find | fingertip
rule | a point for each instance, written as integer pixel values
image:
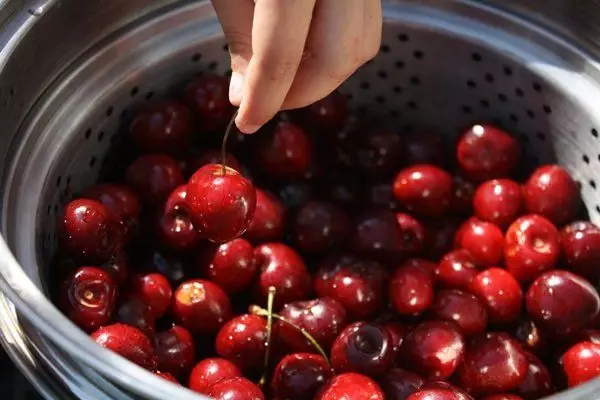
(236, 88)
(244, 126)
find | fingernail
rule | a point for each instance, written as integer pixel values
(248, 129)
(236, 87)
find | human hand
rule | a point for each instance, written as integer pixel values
(287, 54)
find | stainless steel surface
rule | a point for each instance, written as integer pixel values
(70, 70)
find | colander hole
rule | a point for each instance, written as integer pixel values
(594, 132)
(385, 48)
(58, 181)
(380, 99)
(513, 118)
(48, 210)
(585, 159)
(476, 57)
(489, 78)
(466, 109)
(196, 57)
(382, 74)
(213, 65)
(403, 37)
(530, 114)
(519, 92)
(537, 87)
(397, 89)
(93, 161)
(362, 109)
(109, 111)
(598, 209)
(502, 97)
(593, 184)
(484, 103)
(547, 109)
(400, 64)
(471, 84)
(415, 80)
(412, 105)
(149, 95)
(68, 180)
(55, 209)
(541, 136)
(508, 71)
(88, 133)
(113, 139)
(365, 85)
(418, 54)
(100, 136)
(134, 91)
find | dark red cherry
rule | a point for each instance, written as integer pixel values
(201, 306)
(299, 376)
(132, 311)
(229, 265)
(87, 297)
(562, 302)
(581, 363)
(117, 268)
(153, 177)
(397, 332)
(424, 189)
(208, 97)
(242, 341)
(411, 289)
(175, 350)
(532, 338)
(445, 389)
(169, 377)
(268, 221)
(456, 270)
(465, 309)
(501, 294)
(485, 152)
(221, 202)
(379, 153)
(176, 232)
(377, 235)
(235, 388)
(398, 383)
(552, 193)
(532, 246)
(319, 226)
(462, 196)
(439, 237)
(155, 290)
(381, 195)
(424, 147)
(581, 248)
(176, 204)
(128, 342)
(498, 201)
(413, 234)
(483, 240)
(192, 162)
(328, 115)
(538, 382)
(350, 386)
(210, 371)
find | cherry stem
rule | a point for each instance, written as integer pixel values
(270, 300)
(224, 144)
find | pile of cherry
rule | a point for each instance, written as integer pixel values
(333, 260)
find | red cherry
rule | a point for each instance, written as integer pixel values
(398, 383)
(208, 97)
(456, 270)
(424, 147)
(269, 219)
(411, 290)
(201, 306)
(581, 363)
(498, 201)
(446, 389)
(221, 203)
(438, 394)
(175, 350)
(319, 226)
(413, 234)
(532, 246)
(328, 115)
(424, 189)
(350, 386)
(235, 388)
(117, 268)
(377, 235)
(153, 177)
(192, 162)
(176, 232)
(229, 265)
(501, 294)
(581, 248)
(465, 309)
(379, 153)
(486, 152)
(167, 376)
(299, 376)
(134, 312)
(532, 338)
(538, 382)
(128, 342)
(176, 203)
(483, 240)
(397, 332)
(210, 371)
(242, 341)
(155, 290)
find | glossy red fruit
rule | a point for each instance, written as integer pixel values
(581, 363)
(532, 338)
(485, 152)
(176, 232)
(456, 270)
(169, 377)
(193, 161)
(208, 97)
(447, 389)
(501, 294)
(328, 115)
(229, 265)
(483, 240)
(235, 388)
(379, 153)
(493, 363)
(357, 284)
(499, 201)
(319, 226)
(176, 204)
(210, 371)
(89, 231)
(424, 189)
(411, 289)
(413, 234)
(377, 235)
(581, 248)
(398, 383)
(132, 311)
(538, 382)
(463, 308)
(117, 268)
(532, 246)
(221, 202)
(424, 147)
(153, 177)
(155, 290)
(462, 196)
(299, 376)
(268, 221)
(350, 386)
(87, 297)
(242, 341)
(562, 302)
(200, 306)
(175, 350)
(397, 332)
(438, 394)
(128, 342)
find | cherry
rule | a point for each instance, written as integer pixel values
(465, 309)
(128, 342)
(192, 162)
(381, 195)
(552, 193)
(268, 222)
(424, 189)
(242, 341)
(167, 376)
(208, 96)
(162, 126)
(581, 248)
(280, 266)
(328, 115)
(229, 265)
(532, 246)
(175, 350)
(176, 232)
(235, 388)
(377, 235)
(398, 383)
(433, 349)
(581, 363)
(90, 231)
(350, 386)
(155, 290)
(379, 153)
(117, 268)
(411, 289)
(562, 302)
(532, 338)
(502, 397)
(299, 376)
(200, 306)
(456, 270)
(319, 226)
(176, 204)
(357, 284)
(447, 389)
(493, 363)
(498, 201)
(294, 194)
(87, 297)
(153, 177)
(424, 147)
(483, 240)
(322, 318)
(413, 234)
(485, 152)
(135, 312)
(501, 294)
(397, 332)
(462, 196)
(538, 382)
(221, 202)
(438, 394)
(210, 371)
(439, 237)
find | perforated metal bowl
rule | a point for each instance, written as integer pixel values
(71, 71)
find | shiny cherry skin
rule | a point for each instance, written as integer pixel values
(413, 234)
(221, 202)
(459, 393)
(398, 383)
(433, 349)
(411, 289)
(501, 294)
(377, 235)
(463, 308)
(175, 350)
(499, 201)
(282, 267)
(538, 382)
(532, 338)
(155, 290)
(483, 240)
(117, 268)
(424, 189)
(581, 248)
(89, 231)
(200, 306)
(531, 246)
(485, 152)
(132, 311)
(88, 297)
(357, 284)
(328, 115)
(176, 232)
(379, 153)
(210, 371)
(176, 204)
(163, 126)
(167, 376)
(350, 386)
(229, 265)
(397, 333)
(268, 221)
(438, 394)
(322, 318)
(242, 341)
(299, 376)
(235, 388)
(381, 195)
(128, 342)
(462, 196)
(562, 302)
(192, 162)
(319, 226)
(153, 177)
(424, 147)
(493, 363)
(581, 363)
(208, 97)
(456, 270)
(439, 238)
(552, 193)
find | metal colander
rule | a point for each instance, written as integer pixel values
(72, 71)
